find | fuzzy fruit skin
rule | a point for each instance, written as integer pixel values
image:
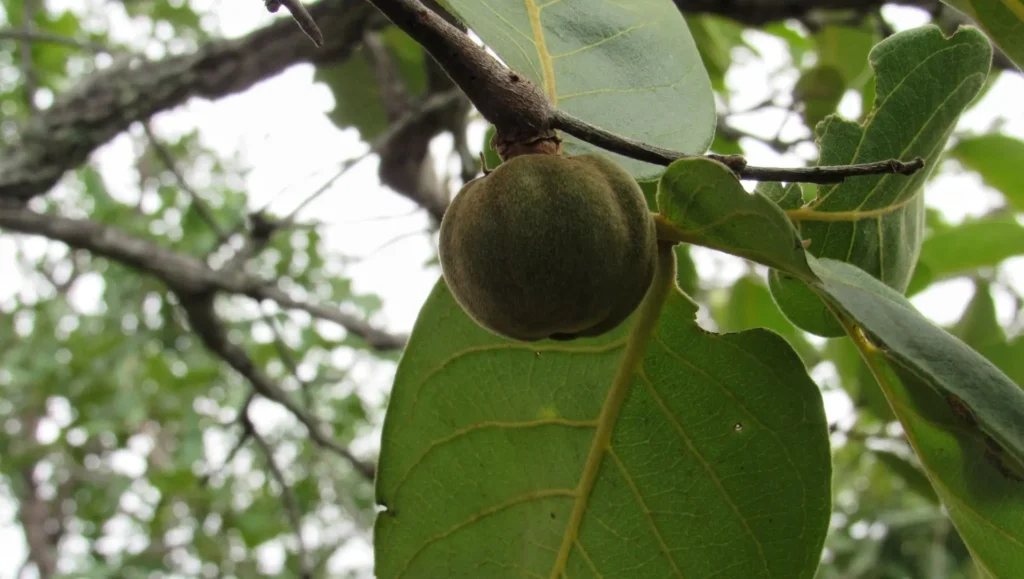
(547, 246)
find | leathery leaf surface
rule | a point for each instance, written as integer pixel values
(657, 450)
(629, 67)
(924, 81)
(964, 418)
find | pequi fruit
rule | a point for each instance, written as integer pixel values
(547, 246)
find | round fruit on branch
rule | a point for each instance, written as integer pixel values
(547, 246)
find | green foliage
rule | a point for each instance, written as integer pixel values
(1002, 20)
(998, 158)
(818, 92)
(846, 48)
(690, 441)
(979, 329)
(961, 414)
(967, 248)
(749, 305)
(575, 54)
(876, 223)
(964, 418)
(716, 38)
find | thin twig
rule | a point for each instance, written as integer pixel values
(363, 220)
(242, 439)
(661, 156)
(291, 505)
(396, 239)
(325, 187)
(285, 354)
(200, 205)
(429, 106)
(208, 327)
(255, 243)
(302, 18)
(776, 144)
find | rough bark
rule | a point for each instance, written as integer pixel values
(108, 102)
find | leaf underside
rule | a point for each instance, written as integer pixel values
(923, 81)
(717, 463)
(963, 416)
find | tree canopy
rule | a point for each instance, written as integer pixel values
(198, 344)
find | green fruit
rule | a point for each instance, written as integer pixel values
(547, 246)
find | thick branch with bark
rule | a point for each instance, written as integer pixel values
(106, 103)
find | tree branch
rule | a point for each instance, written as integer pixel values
(106, 103)
(29, 80)
(203, 319)
(291, 505)
(524, 117)
(182, 273)
(198, 203)
(301, 17)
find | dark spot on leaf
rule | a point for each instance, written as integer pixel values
(552, 515)
(997, 459)
(961, 410)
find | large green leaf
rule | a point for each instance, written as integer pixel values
(1003, 20)
(847, 48)
(702, 202)
(998, 158)
(656, 450)
(630, 68)
(966, 248)
(947, 364)
(964, 418)
(817, 93)
(923, 83)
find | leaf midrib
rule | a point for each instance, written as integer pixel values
(546, 64)
(636, 346)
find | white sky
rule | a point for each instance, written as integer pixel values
(294, 148)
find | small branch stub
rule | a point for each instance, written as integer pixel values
(302, 18)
